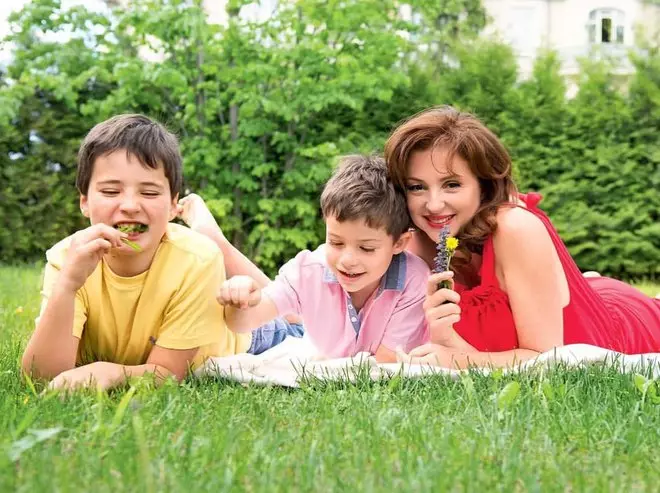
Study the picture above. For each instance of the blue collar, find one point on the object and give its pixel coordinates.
(394, 278)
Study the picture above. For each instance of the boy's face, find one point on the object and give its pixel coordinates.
(123, 191)
(359, 255)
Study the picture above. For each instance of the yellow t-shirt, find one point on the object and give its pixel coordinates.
(172, 304)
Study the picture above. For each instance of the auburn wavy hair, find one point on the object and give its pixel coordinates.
(464, 135)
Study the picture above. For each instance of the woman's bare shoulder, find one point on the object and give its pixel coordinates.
(517, 226)
(515, 215)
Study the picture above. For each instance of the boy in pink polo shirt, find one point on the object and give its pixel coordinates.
(360, 290)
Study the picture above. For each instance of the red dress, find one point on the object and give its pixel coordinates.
(602, 312)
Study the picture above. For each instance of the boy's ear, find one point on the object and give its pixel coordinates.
(83, 206)
(173, 207)
(401, 244)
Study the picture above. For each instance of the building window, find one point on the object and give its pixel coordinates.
(606, 26)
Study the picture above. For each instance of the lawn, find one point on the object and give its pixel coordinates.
(567, 430)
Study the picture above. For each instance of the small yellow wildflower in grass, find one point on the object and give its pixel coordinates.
(18, 310)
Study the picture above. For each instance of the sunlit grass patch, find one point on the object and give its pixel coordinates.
(591, 428)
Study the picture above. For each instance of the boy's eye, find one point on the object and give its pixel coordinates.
(368, 250)
(334, 243)
(150, 194)
(109, 192)
(415, 187)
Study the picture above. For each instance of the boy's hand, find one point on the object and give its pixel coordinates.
(240, 292)
(87, 249)
(100, 374)
(193, 211)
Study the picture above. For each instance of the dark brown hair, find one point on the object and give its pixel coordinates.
(139, 136)
(464, 135)
(360, 189)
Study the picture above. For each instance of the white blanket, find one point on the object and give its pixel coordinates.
(295, 360)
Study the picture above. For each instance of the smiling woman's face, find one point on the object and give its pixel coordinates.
(441, 193)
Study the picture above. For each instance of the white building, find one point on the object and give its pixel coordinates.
(574, 28)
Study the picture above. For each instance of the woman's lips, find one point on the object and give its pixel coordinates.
(438, 222)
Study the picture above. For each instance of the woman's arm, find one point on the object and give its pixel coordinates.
(530, 272)
(446, 357)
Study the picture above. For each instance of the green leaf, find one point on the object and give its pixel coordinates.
(641, 383)
(508, 395)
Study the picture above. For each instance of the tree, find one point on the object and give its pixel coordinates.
(603, 202)
(45, 86)
(482, 80)
(533, 125)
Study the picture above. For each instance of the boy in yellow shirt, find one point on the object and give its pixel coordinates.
(117, 304)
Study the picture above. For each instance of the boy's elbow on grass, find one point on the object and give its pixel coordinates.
(41, 360)
(27, 365)
(47, 370)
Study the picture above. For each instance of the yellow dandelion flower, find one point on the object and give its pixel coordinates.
(452, 243)
(18, 310)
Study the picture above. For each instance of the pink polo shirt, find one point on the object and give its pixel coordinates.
(393, 317)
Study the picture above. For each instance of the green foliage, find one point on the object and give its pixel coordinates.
(599, 180)
(482, 80)
(42, 125)
(264, 108)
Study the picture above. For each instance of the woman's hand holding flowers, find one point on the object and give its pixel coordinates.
(441, 304)
(442, 312)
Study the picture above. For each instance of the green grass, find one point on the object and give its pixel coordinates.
(567, 430)
(650, 288)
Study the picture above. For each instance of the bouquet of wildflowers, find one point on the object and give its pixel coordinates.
(445, 248)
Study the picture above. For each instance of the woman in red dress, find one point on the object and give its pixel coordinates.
(517, 291)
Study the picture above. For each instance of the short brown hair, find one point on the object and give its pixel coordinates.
(464, 135)
(139, 136)
(361, 189)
